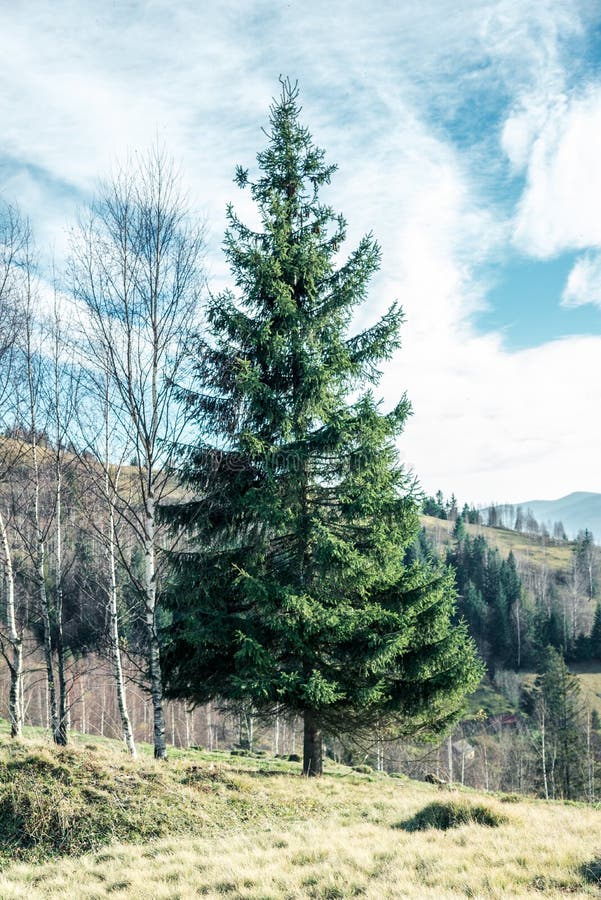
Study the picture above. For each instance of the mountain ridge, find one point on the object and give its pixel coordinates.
(577, 511)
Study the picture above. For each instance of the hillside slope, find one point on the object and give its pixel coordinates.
(213, 826)
(525, 547)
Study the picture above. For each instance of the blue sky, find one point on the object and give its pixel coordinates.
(468, 138)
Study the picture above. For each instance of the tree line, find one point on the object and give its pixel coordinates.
(494, 516)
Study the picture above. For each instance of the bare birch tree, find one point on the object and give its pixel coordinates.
(100, 456)
(135, 269)
(14, 238)
(34, 376)
(61, 396)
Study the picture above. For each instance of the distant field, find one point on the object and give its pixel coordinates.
(589, 675)
(214, 825)
(530, 549)
(590, 679)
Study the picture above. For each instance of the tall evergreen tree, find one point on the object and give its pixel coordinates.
(595, 638)
(294, 593)
(513, 595)
(499, 630)
(558, 694)
(476, 562)
(585, 562)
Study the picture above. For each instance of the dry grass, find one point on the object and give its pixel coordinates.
(590, 680)
(589, 677)
(332, 838)
(56, 801)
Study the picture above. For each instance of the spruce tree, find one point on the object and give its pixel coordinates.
(294, 593)
(558, 691)
(595, 638)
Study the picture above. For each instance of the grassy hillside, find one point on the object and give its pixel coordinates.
(589, 676)
(87, 822)
(530, 549)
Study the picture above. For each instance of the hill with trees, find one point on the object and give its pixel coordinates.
(533, 607)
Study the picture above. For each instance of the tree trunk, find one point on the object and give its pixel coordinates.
(115, 650)
(544, 753)
(60, 736)
(45, 609)
(40, 551)
(113, 609)
(83, 691)
(486, 781)
(154, 651)
(590, 759)
(188, 724)
(15, 704)
(312, 747)
(209, 727)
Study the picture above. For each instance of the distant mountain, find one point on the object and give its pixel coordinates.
(577, 511)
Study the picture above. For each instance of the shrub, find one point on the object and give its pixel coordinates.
(511, 798)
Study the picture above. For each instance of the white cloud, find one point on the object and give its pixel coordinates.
(489, 424)
(584, 282)
(559, 209)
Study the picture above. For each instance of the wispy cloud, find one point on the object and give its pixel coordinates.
(441, 117)
(559, 209)
(584, 282)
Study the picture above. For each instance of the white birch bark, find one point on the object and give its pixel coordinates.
(60, 735)
(40, 547)
(154, 650)
(15, 701)
(113, 609)
(543, 736)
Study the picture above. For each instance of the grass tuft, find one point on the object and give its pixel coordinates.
(591, 872)
(452, 814)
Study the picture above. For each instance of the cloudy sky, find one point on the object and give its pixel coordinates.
(467, 136)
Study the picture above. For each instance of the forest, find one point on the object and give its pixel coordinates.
(207, 537)
(533, 607)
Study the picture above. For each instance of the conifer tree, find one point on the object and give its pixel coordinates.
(558, 693)
(595, 638)
(294, 593)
